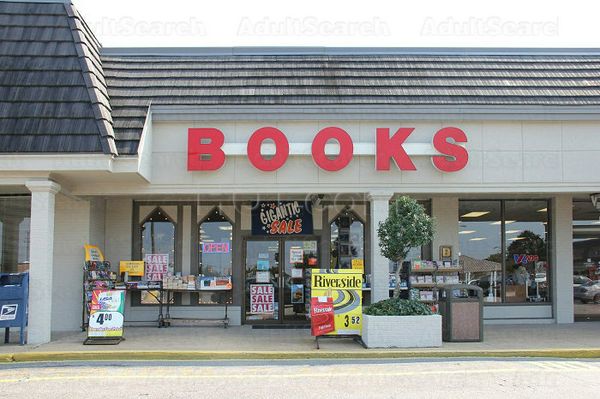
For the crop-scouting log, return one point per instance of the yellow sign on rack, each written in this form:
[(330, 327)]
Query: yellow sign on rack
[(358, 263), (93, 253), (133, 267), (345, 287)]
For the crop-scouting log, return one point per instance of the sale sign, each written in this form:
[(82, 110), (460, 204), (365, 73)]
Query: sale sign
[(106, 313), (344, 286), (157, 266), (262, 298), (282, 218)]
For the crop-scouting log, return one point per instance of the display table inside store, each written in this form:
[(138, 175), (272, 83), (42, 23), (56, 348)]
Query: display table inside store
[(168, 297), (156, 292)]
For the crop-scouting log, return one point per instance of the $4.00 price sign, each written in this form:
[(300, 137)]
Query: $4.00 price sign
[(106, 314)]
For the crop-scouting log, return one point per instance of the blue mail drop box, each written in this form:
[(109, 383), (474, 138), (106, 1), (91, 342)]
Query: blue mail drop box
[(14, 298)]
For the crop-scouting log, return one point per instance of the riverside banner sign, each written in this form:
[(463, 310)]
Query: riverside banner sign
[(207, 149), (344, 287)]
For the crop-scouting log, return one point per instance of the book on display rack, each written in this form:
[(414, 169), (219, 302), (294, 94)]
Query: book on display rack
[(427, 276), (97, 275)]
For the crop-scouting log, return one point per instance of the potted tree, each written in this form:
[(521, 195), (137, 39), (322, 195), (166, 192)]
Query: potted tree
[(397, 322)]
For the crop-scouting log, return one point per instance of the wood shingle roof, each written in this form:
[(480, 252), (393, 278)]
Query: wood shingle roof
[(53, 97), (60, 91)]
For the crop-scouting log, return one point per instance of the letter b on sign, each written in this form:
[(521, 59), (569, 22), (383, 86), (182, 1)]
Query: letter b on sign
[(204, 149)]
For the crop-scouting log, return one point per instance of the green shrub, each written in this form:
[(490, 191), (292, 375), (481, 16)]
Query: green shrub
[(398, 307)]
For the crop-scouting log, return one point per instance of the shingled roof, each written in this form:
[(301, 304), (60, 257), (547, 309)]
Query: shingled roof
[(53, 97), (136, 81)]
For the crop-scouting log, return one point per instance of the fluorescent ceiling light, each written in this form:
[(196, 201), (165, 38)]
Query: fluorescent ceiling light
[(543, 210), (466, 232), (226, 228), (516, 238), (505, 222), (475, 214), (512, 231), (477, 239)]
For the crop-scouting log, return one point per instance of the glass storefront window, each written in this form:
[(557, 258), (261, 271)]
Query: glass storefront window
[(480, 239), (526, 232), (215, 260), (586, 260), (347, 240), (158, 237), (15, 216), (513, 271)]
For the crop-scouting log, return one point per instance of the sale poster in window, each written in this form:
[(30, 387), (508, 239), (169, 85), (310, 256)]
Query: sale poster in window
[(262, 299), (157, 266), (285, 218)]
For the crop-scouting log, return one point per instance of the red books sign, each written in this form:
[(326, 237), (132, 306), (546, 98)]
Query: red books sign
[(321, 315)]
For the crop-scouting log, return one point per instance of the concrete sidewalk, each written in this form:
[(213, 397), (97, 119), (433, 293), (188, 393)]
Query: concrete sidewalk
[(197, 342)]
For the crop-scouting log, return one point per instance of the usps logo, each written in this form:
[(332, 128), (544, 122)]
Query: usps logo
[(8, 312)]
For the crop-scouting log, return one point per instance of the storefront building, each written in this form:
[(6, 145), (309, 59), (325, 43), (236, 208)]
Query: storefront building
[(201, 153)]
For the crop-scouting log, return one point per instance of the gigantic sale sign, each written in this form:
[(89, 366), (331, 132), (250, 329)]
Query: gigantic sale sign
[(282, 217), (207, 149)]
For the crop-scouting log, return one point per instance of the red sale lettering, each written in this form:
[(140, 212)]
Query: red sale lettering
[(197, 149), (388, 148), (455, 156)]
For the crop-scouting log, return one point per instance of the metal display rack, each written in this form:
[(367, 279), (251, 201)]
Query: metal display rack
[(438, 270), (96, 275)]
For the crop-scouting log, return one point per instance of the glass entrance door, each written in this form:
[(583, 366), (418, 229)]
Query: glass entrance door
[(277, 284), (300, 256), (262, 281)]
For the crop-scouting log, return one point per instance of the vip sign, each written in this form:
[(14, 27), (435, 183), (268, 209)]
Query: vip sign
[(207, 149)]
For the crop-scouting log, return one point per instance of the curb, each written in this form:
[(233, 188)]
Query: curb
[(593, 353)]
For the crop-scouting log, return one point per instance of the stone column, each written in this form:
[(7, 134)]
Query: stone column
[(445, 212), (41, 260), (562, 258), (380, 208)]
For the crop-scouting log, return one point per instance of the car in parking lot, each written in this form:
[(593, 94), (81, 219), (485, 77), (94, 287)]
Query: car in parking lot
[(579, 280), (588, 292)]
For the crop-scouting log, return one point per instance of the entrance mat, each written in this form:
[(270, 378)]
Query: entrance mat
[(281, 327)]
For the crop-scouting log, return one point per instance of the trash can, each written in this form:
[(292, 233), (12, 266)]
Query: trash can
[(461, 307), (14, 299)]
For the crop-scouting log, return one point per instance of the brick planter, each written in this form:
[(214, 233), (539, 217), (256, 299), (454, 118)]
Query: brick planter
[(402, 331)]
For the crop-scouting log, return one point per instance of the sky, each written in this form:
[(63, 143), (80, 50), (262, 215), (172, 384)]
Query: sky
[(366, 23)]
